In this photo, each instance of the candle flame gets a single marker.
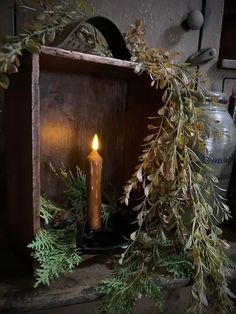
(95, 143)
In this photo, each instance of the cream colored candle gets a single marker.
(94, 193)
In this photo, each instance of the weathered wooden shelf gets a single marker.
(75, 288)
(18, 296)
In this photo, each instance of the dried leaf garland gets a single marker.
(174, 185)
(50, 18)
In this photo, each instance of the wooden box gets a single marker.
(54, 105)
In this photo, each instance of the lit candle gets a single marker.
(94, 178)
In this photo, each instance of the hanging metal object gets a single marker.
(106, 27)
(202, 56)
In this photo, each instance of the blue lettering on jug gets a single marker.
(214, 160)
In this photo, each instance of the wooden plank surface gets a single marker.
(6, 28)
(22, 156)
(82, 95)
(6, 20)
(59, 109)
(73, 109)
(75, 288)
(17, 294)
(72, 61)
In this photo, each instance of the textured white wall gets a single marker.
(163, 21)
(162, 18)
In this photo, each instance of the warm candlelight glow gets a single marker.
(95, 144)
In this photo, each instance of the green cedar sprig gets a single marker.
(146, 264)
(54, 249)
(74, 189)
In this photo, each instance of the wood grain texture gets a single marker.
(73, 109)
(6, 20)
(53, 108)
(95, 95)
(21, 142)
(6, 28)
(35, 129)
(72, 61)
(74, 288)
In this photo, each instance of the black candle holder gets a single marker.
(113, 236)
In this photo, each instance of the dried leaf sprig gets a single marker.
(178, 200)
(49, 19)
(87, 39)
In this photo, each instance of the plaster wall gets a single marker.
(163, 23)
(163, 26)
(162, 19)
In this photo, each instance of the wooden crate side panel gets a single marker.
(35, 128)
(56, 59)
(22, 217)
(6, 28)
(143, 101)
